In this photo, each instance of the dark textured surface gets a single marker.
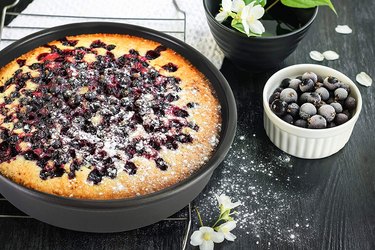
(335, 195)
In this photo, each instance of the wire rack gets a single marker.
(7, 36)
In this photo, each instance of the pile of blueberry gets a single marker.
(309, 101)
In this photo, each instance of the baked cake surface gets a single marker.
(104, 116)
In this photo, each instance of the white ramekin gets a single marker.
(303, 142)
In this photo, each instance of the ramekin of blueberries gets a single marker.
(310, 110)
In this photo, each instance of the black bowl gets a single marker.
(122, 214)
(258, 53)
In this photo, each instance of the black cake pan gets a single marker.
(131, 213)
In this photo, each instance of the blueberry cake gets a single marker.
(104, 116)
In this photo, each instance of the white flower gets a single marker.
(250, 15)
(226, 203)
(226, 10)
(238, 5)
(225, 228)
(205, 238)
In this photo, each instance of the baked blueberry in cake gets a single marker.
(104, 116)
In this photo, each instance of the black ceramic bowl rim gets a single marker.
(217, 157)
(259, 37)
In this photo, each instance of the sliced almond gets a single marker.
(364, 79)
(343, 29)
(316, 56)
(330, 55)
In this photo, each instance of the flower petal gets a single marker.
(316, 56)
(227, 5)
(207, 245)
(229, 225)
(217, 237)
(238, 5)
(229, 236)
(257, 28)
(220, 17)
(257, 11)
(364, 79)
(244, 15)
(330, 55)
(343, 29)
(206, 229)
(196, 238)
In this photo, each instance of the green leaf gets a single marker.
(238, 26)
(261, 2)
(308, 3)
(225, 216)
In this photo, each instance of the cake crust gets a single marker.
(195, 96)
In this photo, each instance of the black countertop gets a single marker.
(288, 202)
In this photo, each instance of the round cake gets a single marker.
(104, 116)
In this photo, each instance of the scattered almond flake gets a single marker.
(242, 137)
(316, 56)
(330, 55)
(343, 29)
(364, 79)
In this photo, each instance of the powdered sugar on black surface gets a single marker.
(264, 183)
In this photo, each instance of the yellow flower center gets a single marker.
(250, 19)
(207, 236)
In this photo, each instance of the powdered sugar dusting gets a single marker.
(263, 181)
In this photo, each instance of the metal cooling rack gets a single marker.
(28, 29)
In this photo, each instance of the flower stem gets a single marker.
(216, 222)
(199, 216)
(273, 4)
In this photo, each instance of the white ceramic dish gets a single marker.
(303, 142)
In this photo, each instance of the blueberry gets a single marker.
(331, 83)
(330, 100)
(293, 109)
(310, 75)
(320, 79)
(274, 96)
(306, 85)
(337, 106)
(288, 118)
(314, 98)
(316, 122)
(161, 164)
(341, 118)
(331, 124)
(345, 86)
(279, 107)
(130, 168)
(288, 95)
(285, 83)
(328, 112)
(90, 96)
(340, 94)
(319, 104)
(307, 110)
(95, 176)
(278, 89)
(350, 103)
(294, 84)
(303, 97)
(301, 123)
(323, 92)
